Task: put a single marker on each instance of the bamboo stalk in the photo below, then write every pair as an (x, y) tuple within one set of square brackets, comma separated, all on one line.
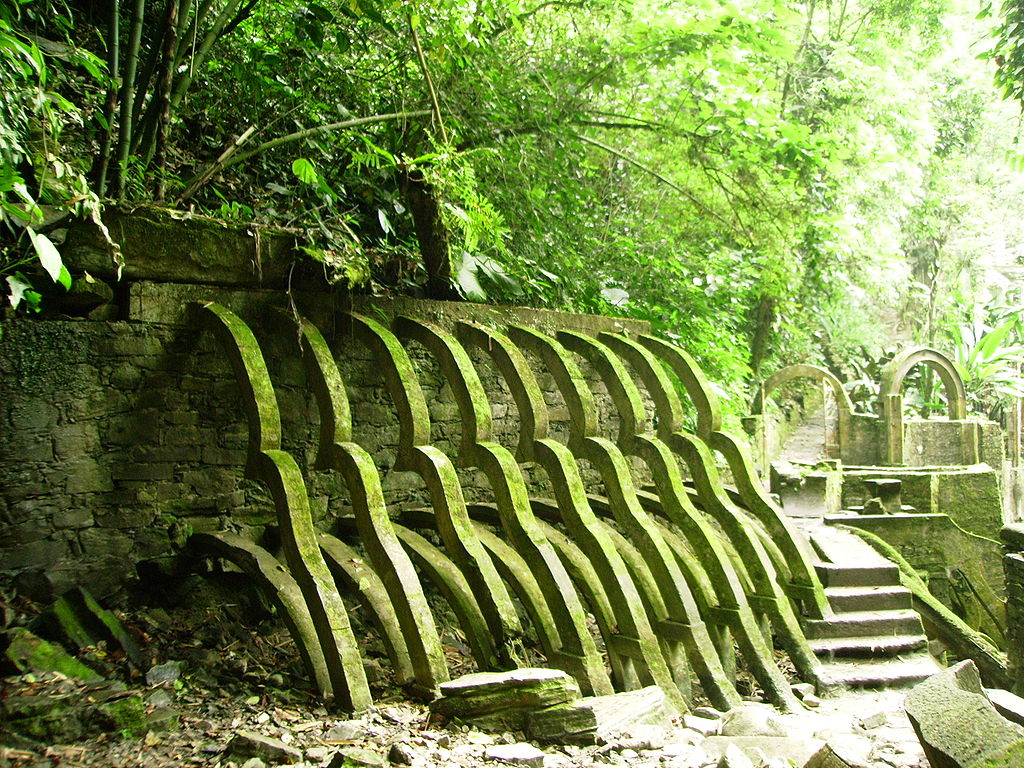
[(113, 65), (124, 137)]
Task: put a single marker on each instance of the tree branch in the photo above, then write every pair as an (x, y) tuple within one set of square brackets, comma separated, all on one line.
[(637, 164), (229, 156)]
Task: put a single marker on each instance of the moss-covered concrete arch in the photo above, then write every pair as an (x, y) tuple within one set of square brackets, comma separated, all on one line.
[(896, 371), (801, 371), (890, 398)]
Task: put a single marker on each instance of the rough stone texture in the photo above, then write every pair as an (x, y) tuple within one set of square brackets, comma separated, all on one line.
[(1013, 565), (123, 438), (504, 700), (956, 723), (251, 744), (600, 718), (752, 721), (799, 751), (29, 653), (522, 754)]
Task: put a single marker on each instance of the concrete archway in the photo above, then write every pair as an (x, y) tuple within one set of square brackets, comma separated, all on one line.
[(890, 398), (815, 373)]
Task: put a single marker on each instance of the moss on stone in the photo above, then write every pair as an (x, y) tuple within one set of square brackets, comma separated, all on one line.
[(29, 653)]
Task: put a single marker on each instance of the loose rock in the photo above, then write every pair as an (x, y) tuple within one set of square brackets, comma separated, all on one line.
[(522, 754), (251, 744)]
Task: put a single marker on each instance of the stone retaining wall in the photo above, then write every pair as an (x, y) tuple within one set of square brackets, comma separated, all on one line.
[(121, 438)]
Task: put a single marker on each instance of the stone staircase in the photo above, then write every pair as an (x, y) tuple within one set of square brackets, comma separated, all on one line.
[(875, 638)]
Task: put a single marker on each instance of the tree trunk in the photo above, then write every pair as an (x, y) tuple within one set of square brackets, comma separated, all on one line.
[(764, 319), (432, 236)]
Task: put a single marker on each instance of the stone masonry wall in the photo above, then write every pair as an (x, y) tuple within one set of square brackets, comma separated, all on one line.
[(121, 438)]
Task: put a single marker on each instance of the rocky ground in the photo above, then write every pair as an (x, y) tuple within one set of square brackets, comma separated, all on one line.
[(222, 687)]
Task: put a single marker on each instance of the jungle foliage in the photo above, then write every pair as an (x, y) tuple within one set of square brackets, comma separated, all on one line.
[(766, 181)]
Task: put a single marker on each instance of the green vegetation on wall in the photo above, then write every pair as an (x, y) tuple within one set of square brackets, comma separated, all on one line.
[(766, 182)]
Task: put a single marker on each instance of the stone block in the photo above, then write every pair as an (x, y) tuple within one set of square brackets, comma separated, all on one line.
[(503, 700), (75, 440), (956, 723), (86, 475), (598, 719), (797, 750), (36, 554), (142, 471)]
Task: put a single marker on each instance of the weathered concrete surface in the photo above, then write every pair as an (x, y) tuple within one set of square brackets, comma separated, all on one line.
[(957, 724), (504, 700)]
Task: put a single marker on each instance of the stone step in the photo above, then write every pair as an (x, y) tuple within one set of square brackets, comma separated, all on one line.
[(865, 623), (833, 575), (876, 598), (888, 645), (890, 673)]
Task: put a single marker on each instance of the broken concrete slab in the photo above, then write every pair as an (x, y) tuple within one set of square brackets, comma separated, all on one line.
[(251, 744), (799, 751), (520, 754), (733, 757), (600, 719), (29, 653), (1009, 705), (355, 757), (957, 725), (83, 621), (753, 720), (503, 700)]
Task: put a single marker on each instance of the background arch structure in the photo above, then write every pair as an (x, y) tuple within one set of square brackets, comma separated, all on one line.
[(790, 373), (890, 401)]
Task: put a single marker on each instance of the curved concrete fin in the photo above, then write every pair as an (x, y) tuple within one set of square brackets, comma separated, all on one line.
[(521, 578), (247, 363), (770, 597), (332, 401), (576, 646), (578, 398), (281, 589), (355, 576), (667, 405), (392, 564), (709, 412), (302, 553), (634, 630), (461, 375), (667, 480), (584, 576), (463, 546), (511, 363), (626, 397), (804, 584), (634, 627), (279, 472), (415, 454), (673, 650), (401, 381), (450, 582), (681, 623), (385, 552)]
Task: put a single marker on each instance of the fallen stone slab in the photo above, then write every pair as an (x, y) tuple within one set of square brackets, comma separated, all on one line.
[(600, 719), (752, 720), (520, 754), (827, 757), (251, 744), (355, 757), (1009, 705), (84, 622), (733, 757), (503, 700), (798, 751), (29, 653), (958, 726)]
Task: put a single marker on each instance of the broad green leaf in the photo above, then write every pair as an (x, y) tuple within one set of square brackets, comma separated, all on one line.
[(305, 171), (48, 255)]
